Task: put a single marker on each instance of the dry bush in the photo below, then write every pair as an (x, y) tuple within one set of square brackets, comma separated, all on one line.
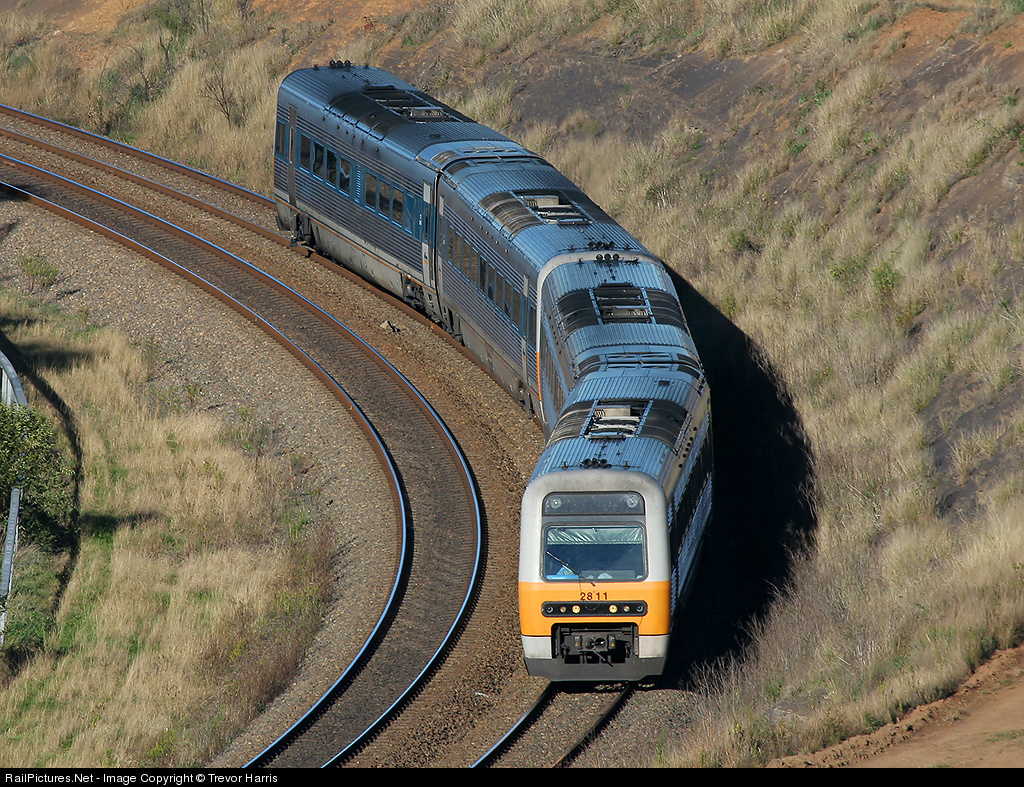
[(194, 80), (491, 106), (525, 26), (38, 73), (734, 26), (494, 25), (835, 120), (212, 111)]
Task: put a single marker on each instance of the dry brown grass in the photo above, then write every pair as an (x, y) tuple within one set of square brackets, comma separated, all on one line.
[(36, 71), (896, 603)]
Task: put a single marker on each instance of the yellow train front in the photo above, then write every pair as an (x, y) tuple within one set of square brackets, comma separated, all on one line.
[(594, 576)]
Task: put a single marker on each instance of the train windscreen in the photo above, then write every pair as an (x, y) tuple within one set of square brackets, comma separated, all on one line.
[(594, 552)]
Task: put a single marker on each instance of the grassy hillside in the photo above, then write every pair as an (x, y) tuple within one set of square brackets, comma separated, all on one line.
[(843, 185)]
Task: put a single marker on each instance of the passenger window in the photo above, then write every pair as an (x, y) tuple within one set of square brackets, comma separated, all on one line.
[(281, 140), (517, 311), (457, 251), (469, 264), (397, 201), (371, 191), (409, 219), (384, 204), (506, 302), (344, 175), (490, 280), (499, 290), (444, 247), (318, 159), (332, 167), (305, 146)]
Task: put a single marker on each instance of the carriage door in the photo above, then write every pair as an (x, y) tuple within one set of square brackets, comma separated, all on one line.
[(293, 141), (431, 270), (526, 317)]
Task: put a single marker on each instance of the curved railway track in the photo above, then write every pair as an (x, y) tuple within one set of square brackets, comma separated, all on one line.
[(439, 569), (552, 727)]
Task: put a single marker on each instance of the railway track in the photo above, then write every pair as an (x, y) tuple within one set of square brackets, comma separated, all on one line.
[(325, 734)]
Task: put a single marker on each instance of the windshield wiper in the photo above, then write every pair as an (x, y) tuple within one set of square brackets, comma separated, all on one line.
[(563, 563)]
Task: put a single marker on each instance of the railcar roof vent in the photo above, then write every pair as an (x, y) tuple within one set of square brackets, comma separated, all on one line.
[(413, 106), (621, 303), (600, 420), (510, 213), (517, 210), (554, 208), (618, 303), (444, 157), (675, 362), (615, 420)]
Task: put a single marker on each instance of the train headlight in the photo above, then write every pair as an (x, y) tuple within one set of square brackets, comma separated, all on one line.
[(596, 609)]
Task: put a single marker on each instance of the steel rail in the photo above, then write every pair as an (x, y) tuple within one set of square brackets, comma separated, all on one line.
[(595, 729), (459, 621), (365, 425), (495, 753), (239, 221)]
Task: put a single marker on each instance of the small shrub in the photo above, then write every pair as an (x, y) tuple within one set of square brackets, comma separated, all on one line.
[(740, 241), (30, 459), (886, 280), (41, 271)]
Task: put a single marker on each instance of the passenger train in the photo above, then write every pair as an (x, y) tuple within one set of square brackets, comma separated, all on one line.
[(571, 314)]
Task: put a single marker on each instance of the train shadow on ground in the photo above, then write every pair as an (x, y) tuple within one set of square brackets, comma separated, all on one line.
[(763, 509)]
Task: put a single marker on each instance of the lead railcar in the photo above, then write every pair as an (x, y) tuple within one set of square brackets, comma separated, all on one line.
[(573, 316)]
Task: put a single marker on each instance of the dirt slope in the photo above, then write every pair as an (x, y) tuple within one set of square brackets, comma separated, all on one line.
[(980, 726), (983, 723)]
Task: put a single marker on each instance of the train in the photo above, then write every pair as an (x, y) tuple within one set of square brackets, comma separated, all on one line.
[(568, 312)]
